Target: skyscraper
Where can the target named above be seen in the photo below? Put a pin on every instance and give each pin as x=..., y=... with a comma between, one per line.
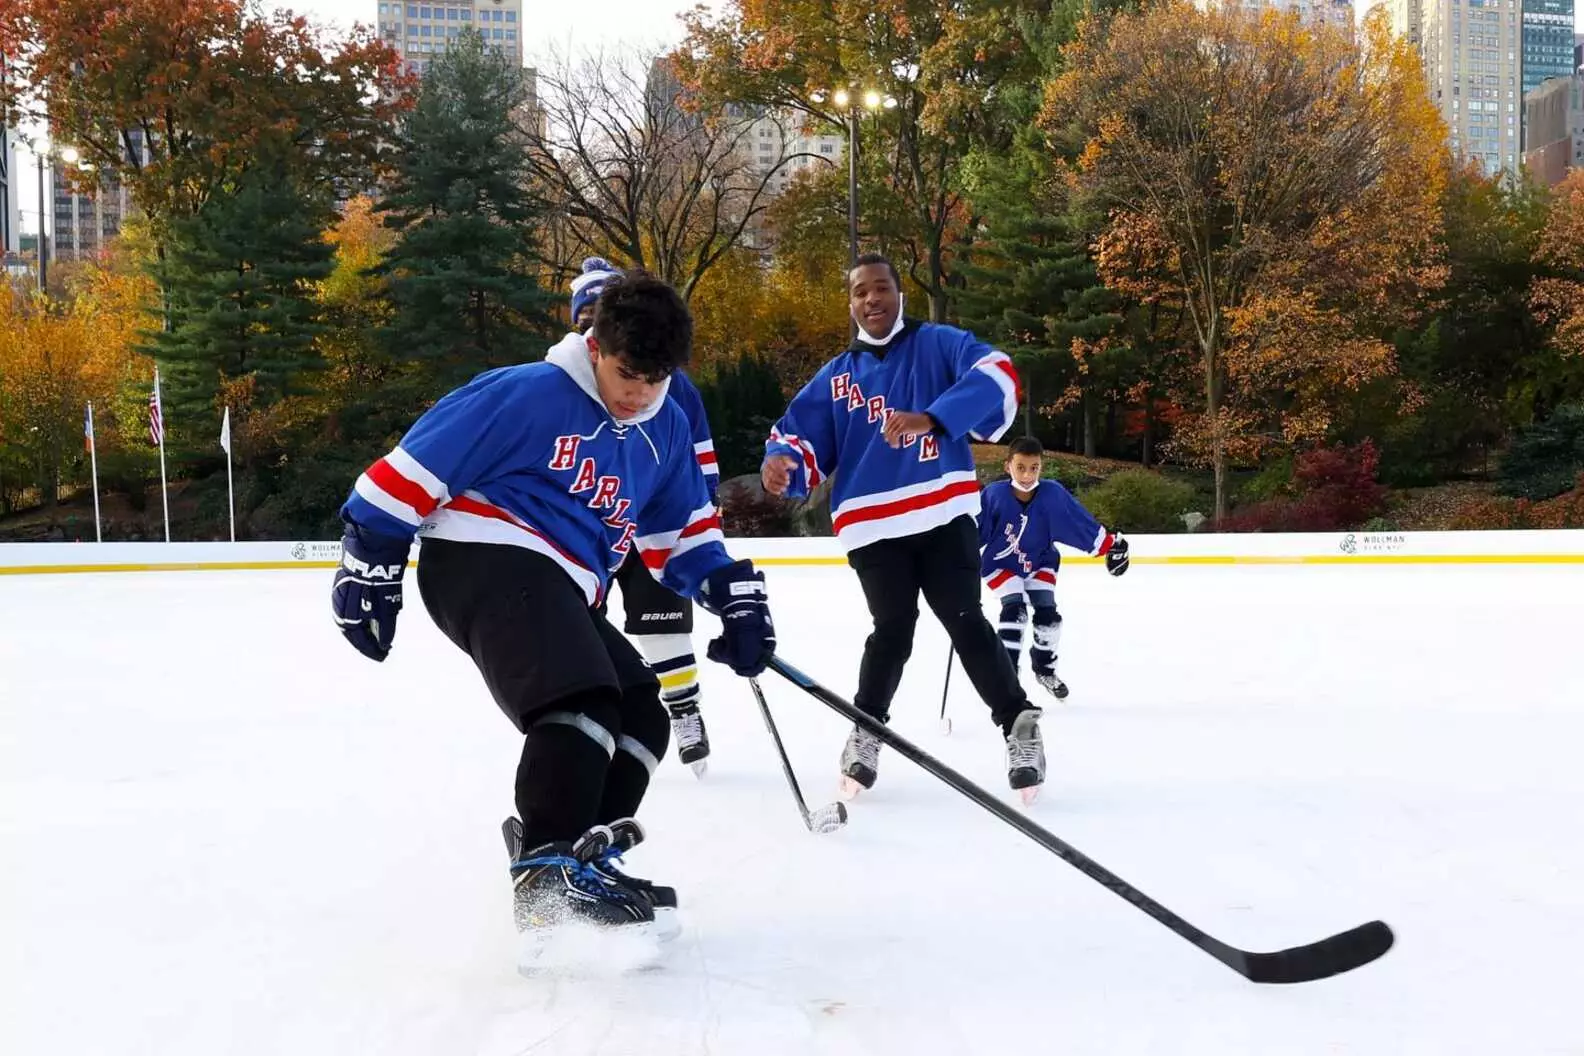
x=1471, y=50
x=421, y=31
x=1547, y=41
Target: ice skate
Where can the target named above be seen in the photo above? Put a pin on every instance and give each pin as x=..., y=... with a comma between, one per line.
x=860, y=763
x=692, y=739
x=1025, y=754
x=626, y=834
x=1056, y=687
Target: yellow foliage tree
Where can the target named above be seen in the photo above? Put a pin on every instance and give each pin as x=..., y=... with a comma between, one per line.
x=1558, y=296
x=1282, y=182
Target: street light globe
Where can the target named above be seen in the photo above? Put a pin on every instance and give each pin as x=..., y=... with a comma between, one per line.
x=69, y=155
x=890, y=102
x=872, y=100
x=817, y=95
x=842, y=97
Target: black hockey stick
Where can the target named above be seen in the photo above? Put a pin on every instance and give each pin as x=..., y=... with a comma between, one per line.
x=827, y=818
x=945, y=723
x=1330, y=956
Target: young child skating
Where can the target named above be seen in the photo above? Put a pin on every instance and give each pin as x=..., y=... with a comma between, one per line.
x=1020, y=522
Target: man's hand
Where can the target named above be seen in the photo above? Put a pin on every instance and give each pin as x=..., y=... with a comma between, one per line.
x=776, y=473
x=902, y=423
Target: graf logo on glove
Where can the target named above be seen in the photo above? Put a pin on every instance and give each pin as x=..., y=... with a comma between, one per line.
x=742, y=588
x=390, y=573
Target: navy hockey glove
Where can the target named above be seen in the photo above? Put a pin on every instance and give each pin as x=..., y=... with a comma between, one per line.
x=367, y=594
x=1117, y=556
x=736, y=594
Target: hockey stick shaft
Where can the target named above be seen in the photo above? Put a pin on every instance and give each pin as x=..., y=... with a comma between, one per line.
x=786, y=763
x=1330, y=956
x=951, y=654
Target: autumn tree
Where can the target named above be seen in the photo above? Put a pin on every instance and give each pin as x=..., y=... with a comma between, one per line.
x=1281, y=181
x=640, y=172
x=940, y=61
x=461, y=279
x=1558, y=296
x=176, y=98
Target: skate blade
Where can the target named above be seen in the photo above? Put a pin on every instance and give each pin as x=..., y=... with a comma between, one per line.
x=580, y=949
x=945, y=727
x=847, y=789
x=1028, y=795
x=700, y=767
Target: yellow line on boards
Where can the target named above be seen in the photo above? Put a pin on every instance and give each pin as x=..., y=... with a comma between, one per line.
x=810, y=562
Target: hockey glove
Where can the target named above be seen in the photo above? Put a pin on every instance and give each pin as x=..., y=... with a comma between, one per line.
x=367, y=594
x=1117, y=556
x=736, y=594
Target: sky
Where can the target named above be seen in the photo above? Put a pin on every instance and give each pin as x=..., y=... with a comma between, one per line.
x=565, y=24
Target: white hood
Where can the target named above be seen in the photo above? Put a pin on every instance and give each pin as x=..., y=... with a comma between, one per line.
x=571, y=354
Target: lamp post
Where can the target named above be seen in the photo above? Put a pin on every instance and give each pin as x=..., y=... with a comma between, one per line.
x=41, y=151
x=852, y=104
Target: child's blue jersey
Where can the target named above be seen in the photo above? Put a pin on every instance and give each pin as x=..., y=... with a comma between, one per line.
x=529, y=456
x=834, y=426
x=1019, y=539
x=686, y=394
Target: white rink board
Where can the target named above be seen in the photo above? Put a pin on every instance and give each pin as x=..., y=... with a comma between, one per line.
x=1512, y=547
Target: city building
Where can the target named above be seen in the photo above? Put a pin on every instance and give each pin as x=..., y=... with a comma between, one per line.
x=1555, y=116
x=83, y=220
x=1311, y=12
x=420, y=31
x=1547, y=41
x=1471, y=53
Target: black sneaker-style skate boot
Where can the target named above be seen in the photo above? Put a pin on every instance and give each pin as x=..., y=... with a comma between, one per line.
x=1025, y=755
x=556, y=883
x=692, y=740
x=860, y=762
x=626, y=834
x=1054, y=685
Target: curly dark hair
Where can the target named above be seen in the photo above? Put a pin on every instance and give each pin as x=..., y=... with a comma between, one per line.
x=644, y=320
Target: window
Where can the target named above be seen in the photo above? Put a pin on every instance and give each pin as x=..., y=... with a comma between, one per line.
x=498, y=35
x=451, y=14
x=511, y=34
x=423, y=31
x=467, y=15
x=497, y=16
x=412, y=10
x=412, y=30
x=423, y=12
x=511, y=16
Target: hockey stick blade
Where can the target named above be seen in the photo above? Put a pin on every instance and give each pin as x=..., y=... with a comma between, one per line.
x=1300, y=964
x=826, y=819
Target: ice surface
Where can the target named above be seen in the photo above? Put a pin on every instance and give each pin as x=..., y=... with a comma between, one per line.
x=223, y=831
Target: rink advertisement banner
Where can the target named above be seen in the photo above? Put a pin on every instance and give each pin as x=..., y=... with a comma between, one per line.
x=1320, y=548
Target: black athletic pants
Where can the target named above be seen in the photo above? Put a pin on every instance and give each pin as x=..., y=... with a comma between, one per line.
x=943, y=565
x=587, y=705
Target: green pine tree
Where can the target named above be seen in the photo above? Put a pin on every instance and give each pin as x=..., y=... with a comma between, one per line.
x=240, y=280
x=461, y=281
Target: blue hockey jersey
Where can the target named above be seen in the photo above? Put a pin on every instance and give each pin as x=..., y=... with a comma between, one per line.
x=834, y=426
x=529, y=456
x=686, y=394
x=1019, y=539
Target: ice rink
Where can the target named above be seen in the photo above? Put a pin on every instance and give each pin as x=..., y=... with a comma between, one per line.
x=223, y=831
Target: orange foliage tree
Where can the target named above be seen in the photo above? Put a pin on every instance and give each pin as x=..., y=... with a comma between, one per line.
x=1280, y=182
x=1558, y=295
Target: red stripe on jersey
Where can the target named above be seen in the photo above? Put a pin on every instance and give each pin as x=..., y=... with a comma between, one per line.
x=483, y=509
x=707, y=459
x=398, y=487
x=1010, y=371
x=655, y=559
x=1001, y=576
x=1045, y=575
x=907, y=505
x=700, y=526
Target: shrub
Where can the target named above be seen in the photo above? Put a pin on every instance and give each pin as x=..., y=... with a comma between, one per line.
x=1139, y=500
x=1546, y=457
x=1273, y=481
x=746, y=509
x=1336, y=489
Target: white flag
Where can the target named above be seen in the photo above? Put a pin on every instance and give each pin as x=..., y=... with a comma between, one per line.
x=225, y=432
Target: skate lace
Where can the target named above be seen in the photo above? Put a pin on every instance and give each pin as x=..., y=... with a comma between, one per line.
x=689, y=729
x=1023, y=753
x=865, y=748
x=582, y=874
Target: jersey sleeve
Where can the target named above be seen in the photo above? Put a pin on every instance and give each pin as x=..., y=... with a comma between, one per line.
x=457, y=443
x=807, y=432
x=1071, y=524
x=679, y=530
x=687, y=396
x=982, y=401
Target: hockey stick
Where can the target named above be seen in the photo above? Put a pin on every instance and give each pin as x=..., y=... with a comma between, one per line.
x=827, y=818
x=1339, y=953
x=945, y=723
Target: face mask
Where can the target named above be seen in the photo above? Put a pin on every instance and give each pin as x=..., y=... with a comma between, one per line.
x=1020, y=487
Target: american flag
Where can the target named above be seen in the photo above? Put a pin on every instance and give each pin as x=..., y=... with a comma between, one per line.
x=156, y=423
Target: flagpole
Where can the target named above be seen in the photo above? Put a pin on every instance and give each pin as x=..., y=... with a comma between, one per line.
x=164, y=491
x=225, y=442
x=93, y=458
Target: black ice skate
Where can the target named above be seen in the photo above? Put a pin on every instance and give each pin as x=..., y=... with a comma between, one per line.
x=860, y=763
x=556, y=883
x=1054, y=685
x=1025, y=754
x=626, y=834
x=692, y=740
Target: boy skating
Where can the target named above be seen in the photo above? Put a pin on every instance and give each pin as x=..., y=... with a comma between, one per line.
x=891, y=418
x=527, y=486
x=1020, y=522
x=659, y=620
